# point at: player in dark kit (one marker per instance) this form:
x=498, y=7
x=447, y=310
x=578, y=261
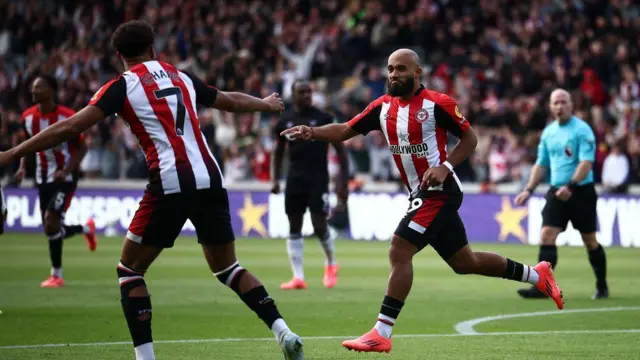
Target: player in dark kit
x=56, y=174
x=415, y=122
x=159, y=104
x=308, y=185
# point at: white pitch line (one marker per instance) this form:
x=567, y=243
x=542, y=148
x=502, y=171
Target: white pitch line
x=466, y=327
x=408, y=336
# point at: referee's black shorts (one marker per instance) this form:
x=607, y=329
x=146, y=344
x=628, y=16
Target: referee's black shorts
x=580, y=209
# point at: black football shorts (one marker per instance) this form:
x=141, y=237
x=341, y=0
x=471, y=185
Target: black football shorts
x=56, y=197
x=160, y=218
x=297, y=199
x=580, y=209
x=433, y=219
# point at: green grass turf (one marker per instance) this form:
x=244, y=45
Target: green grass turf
x=189, y=303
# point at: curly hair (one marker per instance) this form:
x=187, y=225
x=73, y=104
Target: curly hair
x=133, y=38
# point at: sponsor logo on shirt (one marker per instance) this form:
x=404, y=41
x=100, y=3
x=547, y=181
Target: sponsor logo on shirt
x=420, y=150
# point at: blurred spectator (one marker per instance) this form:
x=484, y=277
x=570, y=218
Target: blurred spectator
x=615, y=172
x=498, y=58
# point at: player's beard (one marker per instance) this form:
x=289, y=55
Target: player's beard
x=400, y=88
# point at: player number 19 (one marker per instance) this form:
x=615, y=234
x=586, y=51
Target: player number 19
x=415, y=204
x=180, y=113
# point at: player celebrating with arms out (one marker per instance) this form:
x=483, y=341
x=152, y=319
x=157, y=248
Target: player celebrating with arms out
x=308, y=185
x=415, y=122
x=159, y=104
x=56, y=174
x=568, y=148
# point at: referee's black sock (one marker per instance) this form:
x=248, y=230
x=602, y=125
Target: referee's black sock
x=549, y=253
x=598, y=261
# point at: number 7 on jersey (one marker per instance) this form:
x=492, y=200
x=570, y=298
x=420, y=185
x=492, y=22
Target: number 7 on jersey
x=180, y=113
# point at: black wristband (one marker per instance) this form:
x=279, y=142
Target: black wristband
x=572, y=185
x=530, y=190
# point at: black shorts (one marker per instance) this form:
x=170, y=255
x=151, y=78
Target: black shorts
x=298, y=199
x=433, y=220
x=56, y=197
x=580, y=209
x=160, y=218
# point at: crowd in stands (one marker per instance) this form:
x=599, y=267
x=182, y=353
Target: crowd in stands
x=498, y=58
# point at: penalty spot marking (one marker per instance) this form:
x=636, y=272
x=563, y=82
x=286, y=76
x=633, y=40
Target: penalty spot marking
x=406, y=336
x=466, y=327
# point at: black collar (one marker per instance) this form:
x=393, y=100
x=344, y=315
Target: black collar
x=419, y=90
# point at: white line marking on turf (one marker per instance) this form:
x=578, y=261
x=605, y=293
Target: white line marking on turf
x=466, y=327
x=408, y=336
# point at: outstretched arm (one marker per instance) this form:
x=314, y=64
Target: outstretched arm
x=332, y=133
x=56, y=134
x=106, y=101
x=234, y=101
x=241, y=102
x=362, y=123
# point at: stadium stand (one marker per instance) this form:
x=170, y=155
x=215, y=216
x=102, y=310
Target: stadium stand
x=498, y=58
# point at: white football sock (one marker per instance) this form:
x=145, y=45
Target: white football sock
x=279, y=327
x=56, y=272
x=86, y=229
x=295, y=249
x=384, y=329
x=145, y=352
x=530, y=275
x=327, y=246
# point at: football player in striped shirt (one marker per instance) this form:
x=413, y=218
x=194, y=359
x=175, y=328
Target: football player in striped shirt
x=56, y=174
x=416, y=123
x=158, y=102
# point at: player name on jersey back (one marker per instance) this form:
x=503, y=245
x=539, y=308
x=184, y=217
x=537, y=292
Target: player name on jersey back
x=158, y=102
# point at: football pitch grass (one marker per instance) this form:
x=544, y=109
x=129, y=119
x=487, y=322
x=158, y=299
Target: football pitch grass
x=196, y=317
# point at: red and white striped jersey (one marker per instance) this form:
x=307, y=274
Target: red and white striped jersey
x=57, y=158
x=416, y=131
x=158, y=102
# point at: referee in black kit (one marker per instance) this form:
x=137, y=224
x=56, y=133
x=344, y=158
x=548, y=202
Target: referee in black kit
x=308, y=184
x=567, y=148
